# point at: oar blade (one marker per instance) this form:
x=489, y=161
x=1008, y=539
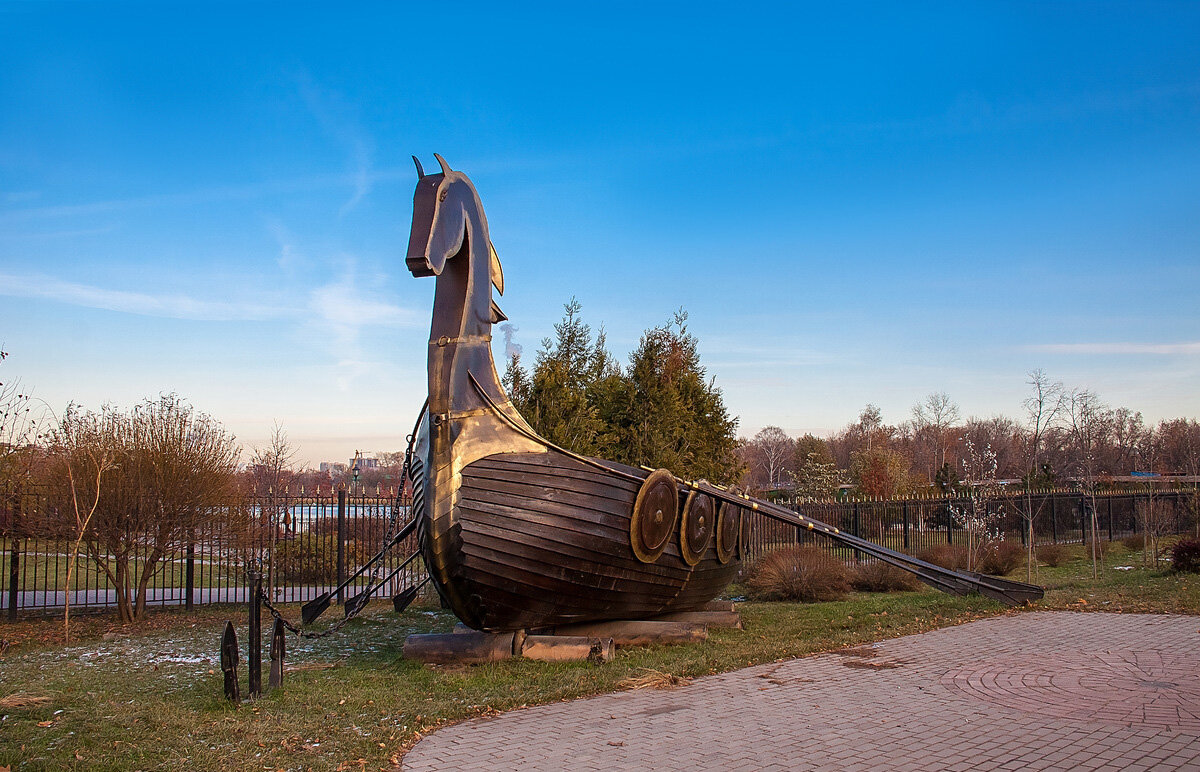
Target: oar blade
x=404, y=599
x=314, y=608
x=355, y=604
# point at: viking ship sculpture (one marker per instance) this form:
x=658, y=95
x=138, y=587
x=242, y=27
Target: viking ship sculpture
x=518, y=533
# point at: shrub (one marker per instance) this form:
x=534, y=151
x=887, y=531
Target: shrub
x=1053, y=554
x=1135, y=542
x=1001, y=557
x=312, y=558
x=1102, y=548
x=806, y=574
x=877, y=576
x=1185, y=556
x=952, y=556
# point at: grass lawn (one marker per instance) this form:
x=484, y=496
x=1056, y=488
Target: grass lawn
x=150, y=697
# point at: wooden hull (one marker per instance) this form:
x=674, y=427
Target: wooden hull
x=542, y=539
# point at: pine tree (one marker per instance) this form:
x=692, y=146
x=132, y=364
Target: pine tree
x=667, y=415
x=557, y=403
x=659, y=411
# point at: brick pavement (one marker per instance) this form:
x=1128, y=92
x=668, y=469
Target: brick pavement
x=1045, y=690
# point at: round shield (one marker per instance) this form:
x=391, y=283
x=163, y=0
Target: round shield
x=654, y=512
x=696, y=526
x=729, y=527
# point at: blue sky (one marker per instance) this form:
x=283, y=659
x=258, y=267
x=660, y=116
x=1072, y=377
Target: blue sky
x=855, y=203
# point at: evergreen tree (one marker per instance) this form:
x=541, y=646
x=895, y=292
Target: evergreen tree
x=516, y=382
x=558, y=403
x=658, y=412
x=667, y=415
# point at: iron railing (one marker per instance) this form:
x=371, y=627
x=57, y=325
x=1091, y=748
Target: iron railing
x=303, y=544
x=307, y=543
x=918, y=524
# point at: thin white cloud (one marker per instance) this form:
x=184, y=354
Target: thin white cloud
x=290, y=257
x=340, y=121
x=174, y=306
x=1135, y=349
x=341, y=312
x=236, y=192
x=347, y=309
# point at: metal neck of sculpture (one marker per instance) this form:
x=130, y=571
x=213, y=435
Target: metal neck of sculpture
x=449, y=240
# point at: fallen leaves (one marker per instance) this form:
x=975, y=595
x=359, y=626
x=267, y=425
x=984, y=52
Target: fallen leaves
x=19, y=700
x=653, y=679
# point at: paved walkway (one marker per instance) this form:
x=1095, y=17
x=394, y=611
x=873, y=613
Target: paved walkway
x=1046, y=690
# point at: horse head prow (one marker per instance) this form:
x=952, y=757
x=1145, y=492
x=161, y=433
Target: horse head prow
x=448, y=219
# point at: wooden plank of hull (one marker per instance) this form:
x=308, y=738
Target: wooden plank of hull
x=543, y=539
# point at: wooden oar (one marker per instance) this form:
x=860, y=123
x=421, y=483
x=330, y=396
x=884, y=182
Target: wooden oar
x=358, y=601
x=316, y=607
x=401, y=600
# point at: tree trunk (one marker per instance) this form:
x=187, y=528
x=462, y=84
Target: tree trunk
x=148, y=570
x=124, y=605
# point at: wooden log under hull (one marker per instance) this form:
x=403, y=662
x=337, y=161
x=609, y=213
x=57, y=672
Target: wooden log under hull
x=542, y=539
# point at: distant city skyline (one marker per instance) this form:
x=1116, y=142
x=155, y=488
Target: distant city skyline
x=855, y=204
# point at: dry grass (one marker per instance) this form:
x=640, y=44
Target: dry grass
x=1053, y=555
x=1001, y=558
x=1135, y=542
x=649, y=678
x=952, y=556
x=877, y=576
x=806, y=574
x=18, y=701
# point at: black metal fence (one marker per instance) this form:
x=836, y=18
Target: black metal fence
x=304, y=545
x=915, y=525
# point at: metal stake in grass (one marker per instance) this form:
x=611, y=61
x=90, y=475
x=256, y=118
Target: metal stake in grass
x=278, y=646
x=255, y=665
x=229, y=663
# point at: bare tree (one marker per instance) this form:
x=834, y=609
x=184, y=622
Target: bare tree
x=23, y=422
x=1089, y=421
x=1179, y=441
x=1042, y=408
x=173, y=469
x=94, y=455
x=935, y=418
x=270, y=467
x=773, y=452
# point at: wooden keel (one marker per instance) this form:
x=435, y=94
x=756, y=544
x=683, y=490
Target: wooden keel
x=567, y=648
x=467, y=648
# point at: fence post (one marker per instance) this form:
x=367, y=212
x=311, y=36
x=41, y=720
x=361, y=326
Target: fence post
x=14, y=577
x=949, y=524
x=904, y=510
x=255, y=659
x=1053, y=517
x=341, y=542
x=1110, y=531
x=190, y=571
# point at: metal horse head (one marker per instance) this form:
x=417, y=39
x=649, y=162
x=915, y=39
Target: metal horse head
x=449, y=240
x=448, y=223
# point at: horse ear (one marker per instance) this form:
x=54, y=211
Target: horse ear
x=497, y=272
x=420, y=171
x=445, y=166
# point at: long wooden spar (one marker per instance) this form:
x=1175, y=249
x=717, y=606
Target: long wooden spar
x=954, y=582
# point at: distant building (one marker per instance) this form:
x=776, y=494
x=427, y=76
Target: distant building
x=365, y=463
x=332, y=468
